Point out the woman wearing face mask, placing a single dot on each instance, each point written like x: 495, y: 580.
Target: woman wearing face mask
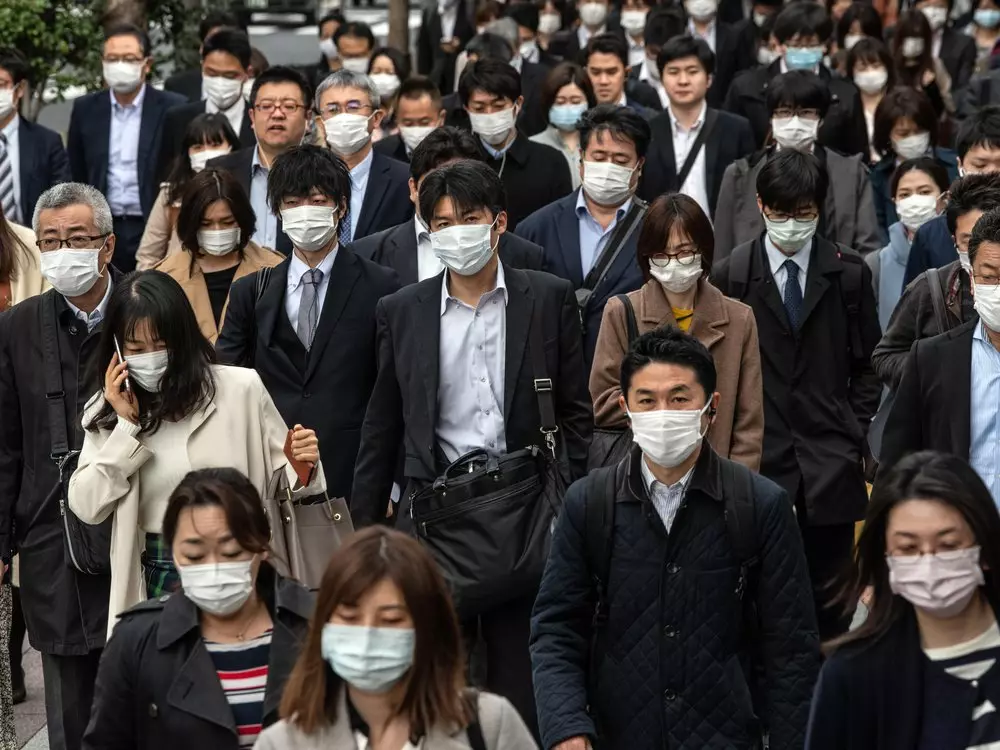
x: 871, y: 68
x: 382, y: 667
x: 918, y: 187
x: 985, y: 29
x: 905, y: 128
x: 215, y: 224
x: 552, y: 17
x: 632, y: 18
x: 859, y: 21
x: 166, y: 410
x: 921, y: 672
x: 229, y: 635
x: 566, y: 95
x: 916, y: 65
x: 675, y: 253
x: 206, y: 137
x: 387, y: 69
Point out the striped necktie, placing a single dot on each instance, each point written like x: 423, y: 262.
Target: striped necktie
x: 7, y: 203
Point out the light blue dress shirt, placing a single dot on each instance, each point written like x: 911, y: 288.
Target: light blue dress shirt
x: 592, y: 237
x: 10, y: 133
x: 359, y: 185
x: 96, y: 317
x: 266, y: 233
x: 494, y: 152
x: 123, y: 156
x: 984, y: 442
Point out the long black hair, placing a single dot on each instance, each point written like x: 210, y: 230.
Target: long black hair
x: 213, y: 129
x: 153, y: 298
x: 927, y: 475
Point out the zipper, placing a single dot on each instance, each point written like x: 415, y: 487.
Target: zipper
x: 445, y: 513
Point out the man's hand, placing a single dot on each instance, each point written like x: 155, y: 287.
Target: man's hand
x: 576, y: 743
x: 305, y: 446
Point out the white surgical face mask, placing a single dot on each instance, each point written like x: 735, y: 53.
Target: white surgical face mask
x: 148, y: 369
x: 222, y: 92
x: 701, y: 10
x: 916, y: 210
x: 963, y: 259
x: 794, y: 132
x: 464, y: 249
x: 871, y: 81
x: 347, y: 133
x: 248, y: 88
x: 912, y: 146
x: 851, y: 39
x: 593, y: 14
x: 634, y: 21
x: 549, y: 23
x: 219, y: 589
x: 759, y: 19
x: 71, y: 272
x: 123, y: 77
x: 529, y: 50
x: 494, y: 127
x: 355, y: 64
x: 6, y: 102
x: 200, y: 159
x: 328, y: 49
x: 372, y: 660
x: 310, y: 228
x: 387, y: 84
x: 607, y: 183
x: 791, y: 235
x: 936, y: 17
x: 986, y: 300
x: 766, y: 55
x: 218, y: 241
x: 413, y: 135
x: 676, y: 277
x: 913, y: 47
x: 942, y: 584
x: 668, y: 436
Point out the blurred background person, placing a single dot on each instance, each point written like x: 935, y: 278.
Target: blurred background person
x: 916, y: 64
x: 387, y: 69
x: 872, y: 69
x: 567, y: 94
x: 419, y: 111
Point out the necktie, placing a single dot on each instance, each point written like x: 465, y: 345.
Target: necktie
x: 793, y: 293
x: 7, y: 203
x: 309, y: 307
x: 344, y: 230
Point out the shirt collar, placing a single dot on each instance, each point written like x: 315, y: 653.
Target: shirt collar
x: 697, y: 123
x: 980, y: 334
x: 649, y: 480
x: 363, y: 168
x: 446, y: 295
x: 420, y: 230
x: 239, y: 105
x: 498, y: 153
x: 255, y: 162
x: 93, y: 319
x: 623, y: 102
x: 709, y: 32
x: 582, y: 208
x: 10, y: 131
x: 297, y: 268
x: 776, y: 258
x: 136, y: 103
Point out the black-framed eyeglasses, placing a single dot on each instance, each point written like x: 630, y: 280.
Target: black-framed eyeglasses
x: 76, y: 242
x: 780, y: 218
x: 685, y: 256
x: 786, y: 113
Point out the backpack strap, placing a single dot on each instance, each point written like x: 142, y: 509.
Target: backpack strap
x: 599, y: 525
x: 474, y: 730
x: 631, y: 325
x: 737, y: 489
x: 850, y: 292
x: 937, y: 300
x: 739, y: 271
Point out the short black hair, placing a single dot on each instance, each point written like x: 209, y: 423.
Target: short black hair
x: 974, y: 192
x: 358, y: 29
x: 867, y: 17
x: 981, y: 128
x: 487, y: 46
x: 872, y: 52
x: 128, y: 29
x: 201, y: 191
x: 903, y: 102
x: 931, y: 167
x: 681, y: 47
x: 791, y: 179
x: 607, y: 43
x: 470, y: 184
x: 803, y: 19
x: 418, y: 87
x: 798, y: 89
x: 669, y: 345
x: 619, y: 122
x: 15, y: 63
x: 443, y: 145
x: 400, y: 62
x: 333, y: 15
x: 662, y: 25
x: 216, y: 18
x: 300, y: 170
x: 987, y: 229
x: 233, y: 42
x: 282, y: 74
x: 495, y: 77
x: 524, y: 14
x: 561, y: 75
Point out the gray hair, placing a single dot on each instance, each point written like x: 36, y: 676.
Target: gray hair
x: 75, y: 194
x: 506, y: 29
x: 345, y: 79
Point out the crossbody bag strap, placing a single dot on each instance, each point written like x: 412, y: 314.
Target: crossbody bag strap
x: 617, y: 240
x: 543, y: 383
x: 937, y: 300
x: 55, y: 396
x: 692, y: 155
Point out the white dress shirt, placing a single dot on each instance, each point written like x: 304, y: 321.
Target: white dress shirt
x: 427, y: 262
x: 234, y: 114
x: 92, y: 319
x: 709, y: 36
x: 359, y: 184
x: 696, y: 184
x: 266, y: 233
x: 123, y: 156
x: 293, y: 289
x: 776, y: 260
x: 636, y: 51
x: 666, y: 499
x: 583, y: 34
x: 647, y: 73
x: 14, y: 157
x: 449, y: 16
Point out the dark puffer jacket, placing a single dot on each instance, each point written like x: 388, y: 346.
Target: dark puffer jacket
x: 670, y: 675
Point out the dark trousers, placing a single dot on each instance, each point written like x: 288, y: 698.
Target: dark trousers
x: 69, y: 693
x: 497, y: 644
x: 16, y: 644
x: 828, y: 554
x: 128, y: 235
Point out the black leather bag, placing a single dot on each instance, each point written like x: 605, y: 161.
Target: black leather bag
x: 488, y: 520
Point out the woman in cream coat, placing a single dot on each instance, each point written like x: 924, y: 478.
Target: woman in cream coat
x: 178, y: 412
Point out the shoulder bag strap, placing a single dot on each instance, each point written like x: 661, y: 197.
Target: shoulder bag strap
x: 937, y: 300
x: 55, y: 396
x: 631, y: 325
x: 617, y: 240
x: 474, y: 730
x: 706, y: 130
x: 542, y: 382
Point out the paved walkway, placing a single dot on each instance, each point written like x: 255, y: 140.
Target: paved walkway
x: 29, y: 717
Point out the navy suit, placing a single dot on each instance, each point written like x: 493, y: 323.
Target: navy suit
x: 43, y: 164
x: 556, y: 228
x: 175, y: 125
x: 932, y: 247
x: 387, y: 197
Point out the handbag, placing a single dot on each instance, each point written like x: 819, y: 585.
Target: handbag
x: 487, y: 520
x: 608, y: 447
x: 87, y: 546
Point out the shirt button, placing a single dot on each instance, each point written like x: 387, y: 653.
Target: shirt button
x: 482, y: 380
x: 487, y: 412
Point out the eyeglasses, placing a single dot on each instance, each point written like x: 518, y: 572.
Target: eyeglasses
x: 76, y: 242
x: 991, y: 281
x: 351, y: 108
x: 780, y: 218
x: 785, y: 113
x: 266, y: 108
x: 686, y: 255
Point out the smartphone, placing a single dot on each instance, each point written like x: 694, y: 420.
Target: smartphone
x: 118, y: 350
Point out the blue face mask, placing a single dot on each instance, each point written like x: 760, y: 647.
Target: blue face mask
x: 803, y: 58
x: 987, y: 18
x: 566, y: 116
x: 370, y: 659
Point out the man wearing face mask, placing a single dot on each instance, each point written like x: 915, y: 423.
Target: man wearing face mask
x: 329, y: 56
x: 817, y: 326
x: 187, y: 83
x: 590, y: 236
x: 419, y: 112
x: 307, y: 325
x: 354, y: 41
x: 526, y: 16
x: 115, y: 137
x: 637, y: 538
x: 348, y: 104
x: 533, y: 174
x: 446, y: 26
x: 65, y: 611
x: 594, y: 20
x: 461, y: 336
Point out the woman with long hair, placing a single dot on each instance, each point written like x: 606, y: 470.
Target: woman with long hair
x: 166, y: 410
x: 382, y: 666
x: 871, y: 68
x: 916, y: 65
x: 388, y: 68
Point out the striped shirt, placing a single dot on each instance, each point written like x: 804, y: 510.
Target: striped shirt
x: 242, y: 670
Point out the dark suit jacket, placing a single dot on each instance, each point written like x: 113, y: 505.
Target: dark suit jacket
x: 387, y: 197
x: 933, y: 401
x: 187, y: 83
x: 431, y: 60
x: 404, y: 404
x: 566, y: 42
x: 728, y: 62
x: 177, y: 120
x: 396, y: 248
x: 331, y: 393
x: 818, y: 399
x: 640, y: 96
x: 958, y: 55
x: 556, y: 228
x: 932, y: 247
x: 43, y: 163
x: 532, y: 119
x: 239, y: 164
x: 534, y: 175
x: 393, y: 147
x: 843, y: 127
x: 90, y: 132
x: 731, y: 139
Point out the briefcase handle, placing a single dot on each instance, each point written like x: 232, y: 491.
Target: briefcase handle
x: 462, y: 465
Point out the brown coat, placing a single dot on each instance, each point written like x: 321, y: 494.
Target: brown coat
x: 727, y: 328
x: 192, y: 281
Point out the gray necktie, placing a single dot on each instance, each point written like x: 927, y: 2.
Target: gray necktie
x: 7, y: 203
x: 309, y: 306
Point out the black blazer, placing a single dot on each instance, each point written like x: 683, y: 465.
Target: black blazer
x: 566, y: 42
x: 403, y: 407
x: 387, y: 197
x: 843, y: 127
x: 90, y: 132
x: 958, y: 55
x: 43, y: 163
x: 731, y: 139
x: 393, y: 147
x: 932, y: 410
x: 432, y: 61
x: 532, y: 118
x: 534, y: 175
x: 330, y: 394
x: 818, y: 399
x: 175, y: 124
x: 396, y: 248
x: 728, y: 62
x: 187, y: 83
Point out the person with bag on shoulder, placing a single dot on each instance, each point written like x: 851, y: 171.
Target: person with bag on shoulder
x: 382, y: 665
x: 230, y: 634
x: 165, y: 410
x: 704, y: 624
x: 675, y: 254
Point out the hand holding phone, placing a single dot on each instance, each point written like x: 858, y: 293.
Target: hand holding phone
x: 117, y: 391
x: 121, y: 360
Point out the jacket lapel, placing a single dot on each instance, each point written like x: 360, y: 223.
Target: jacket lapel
x: 428, y: 315
x: 192, y: 281
x: 569, y: 239
x: 151, y: 114
x: 272, y: 305
x: 247, y: 136
x: 26, y: 141
x: 765, y: 285
x: 520, y: 304
x: 710, y: 316
x: 823, y: 264
x: 403, y: 252
x: 343, y: 276
x: 374, y: 193
x: 102, y: 144
x: 960, y: 374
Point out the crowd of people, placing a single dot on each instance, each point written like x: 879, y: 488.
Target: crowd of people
x: 607, y: 375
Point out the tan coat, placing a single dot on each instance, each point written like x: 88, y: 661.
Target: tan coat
x: 29, y: 280
x: 727, y: 328
x: 159, y: 239
x: 178, y: 266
